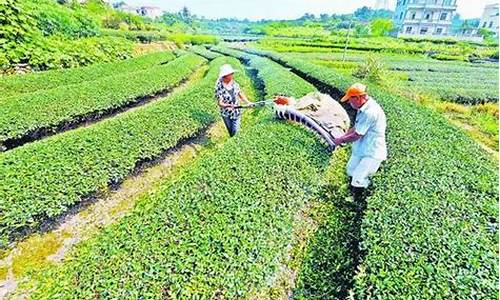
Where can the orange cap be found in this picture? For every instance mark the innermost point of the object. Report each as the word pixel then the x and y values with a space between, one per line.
pixel 357 89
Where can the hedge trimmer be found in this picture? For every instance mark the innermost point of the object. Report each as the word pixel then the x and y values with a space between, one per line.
pixel 279 101
pixel 285 110
pixel 256 104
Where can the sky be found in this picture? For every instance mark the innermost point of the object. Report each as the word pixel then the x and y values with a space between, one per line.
pixel 286 9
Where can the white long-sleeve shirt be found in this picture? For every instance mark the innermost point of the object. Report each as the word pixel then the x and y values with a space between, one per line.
pixel 371 124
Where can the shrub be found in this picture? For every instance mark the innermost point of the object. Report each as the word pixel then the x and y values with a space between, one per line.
pixel 23 41
pixel 28 83
pixel 17 34
pixel 58 19
pixel 34 112
pixel 57 52
pixel 193 39
pixel 381 27
pixel 372 69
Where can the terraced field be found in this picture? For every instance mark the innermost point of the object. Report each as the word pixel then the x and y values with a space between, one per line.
pixel 264 215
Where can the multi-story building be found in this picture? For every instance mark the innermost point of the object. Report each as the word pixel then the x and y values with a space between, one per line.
pixel 150 11
pixel 424 17
pixel 145 11
pixel 122 6
pixel 489 20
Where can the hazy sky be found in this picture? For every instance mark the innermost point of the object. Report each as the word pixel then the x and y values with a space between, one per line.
pixel 286 9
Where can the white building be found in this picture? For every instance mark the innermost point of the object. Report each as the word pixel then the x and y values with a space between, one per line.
pixel 424 18
pixel 150 11
pixel 145 11
pixel 489 20
pixel 122 6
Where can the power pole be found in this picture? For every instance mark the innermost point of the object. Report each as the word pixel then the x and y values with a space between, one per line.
pixel 347 40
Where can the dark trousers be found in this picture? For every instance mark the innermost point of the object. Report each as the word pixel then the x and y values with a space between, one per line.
pixel 232 125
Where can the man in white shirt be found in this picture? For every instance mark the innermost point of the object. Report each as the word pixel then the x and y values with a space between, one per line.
pixel 369 148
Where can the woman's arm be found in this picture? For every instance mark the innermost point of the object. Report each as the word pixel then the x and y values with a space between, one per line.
pixel 224 105
pixel 244 98
pixel 219 96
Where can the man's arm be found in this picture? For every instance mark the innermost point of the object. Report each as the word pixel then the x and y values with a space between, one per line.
pixel 363 123
pixel 350 136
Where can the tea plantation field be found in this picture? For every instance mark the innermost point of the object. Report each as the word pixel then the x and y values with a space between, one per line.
pixel 263 215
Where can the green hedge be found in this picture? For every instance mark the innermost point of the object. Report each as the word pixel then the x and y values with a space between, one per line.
pixel 320 274
pixel 192 39
pixel 48 110
pixel 461 82
pixel 220 229
pixel 431 226
pixel 55 19
pixel 55 52
pixel 328 264
pixel 136 35
pixel 461 51
pixel 16 85
pixel 152 36
pixel 41 180
pixel 41 35
pixel 232 52
pixel 201 50
pixel 471 88
pixel 286 84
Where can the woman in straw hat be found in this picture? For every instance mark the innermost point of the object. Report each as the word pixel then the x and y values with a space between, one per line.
pixel 228 94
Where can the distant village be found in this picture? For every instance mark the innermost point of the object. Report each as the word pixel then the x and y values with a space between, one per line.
pixel 412 18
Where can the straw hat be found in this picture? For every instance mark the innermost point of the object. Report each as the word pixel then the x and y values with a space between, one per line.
pixel 226 70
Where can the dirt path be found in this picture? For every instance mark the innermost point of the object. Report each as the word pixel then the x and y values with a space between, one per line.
pixel 42 250
pixel 475 134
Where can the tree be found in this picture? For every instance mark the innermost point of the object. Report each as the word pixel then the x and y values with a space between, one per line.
pixel 474 22
pixel 119 4
pixel 307 16
pixel 361 30
pixel 324 17
pixel 170 18
pixel 366 14
pixel 486 33
pixel 346 24
pixel 456 24
pixel 185 13
pixel 381 27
